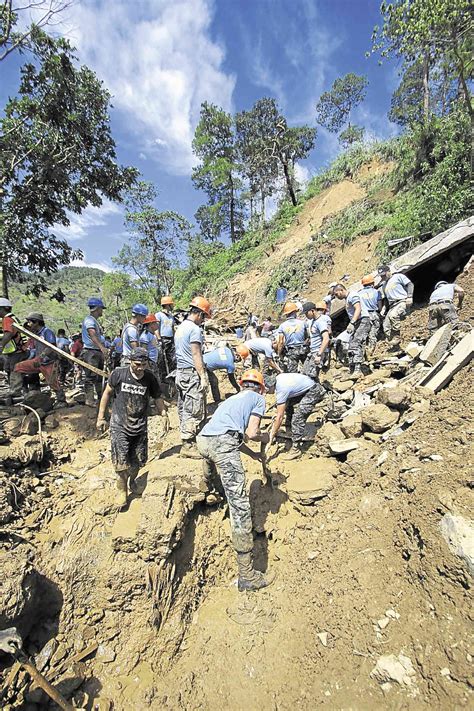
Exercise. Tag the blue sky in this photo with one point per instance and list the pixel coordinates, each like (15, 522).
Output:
(161, 59)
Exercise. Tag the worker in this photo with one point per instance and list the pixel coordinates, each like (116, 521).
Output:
(10, 640)
(165, 332)
(132, 387)
(330, 296)
(222, 358)
(262, 346)
(398, 292)
(149, 341)
(267, 327)
(44, 362)
(358, 327)
(237, 420)
(65, 366)
(296, 395)
(372, 298)
(131, 332)
(319, 327)
(441, 308)
(94, 351)
(116, 350)
(13, 344)
(191, 377)
(291, 338)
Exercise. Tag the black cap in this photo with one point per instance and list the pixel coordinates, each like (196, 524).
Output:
(383, 269)
(308, 306)
(139, 354)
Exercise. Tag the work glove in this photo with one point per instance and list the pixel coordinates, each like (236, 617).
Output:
(10, 640)
(350, 328)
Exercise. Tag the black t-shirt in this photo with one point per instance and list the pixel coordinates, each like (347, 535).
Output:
(131, 398)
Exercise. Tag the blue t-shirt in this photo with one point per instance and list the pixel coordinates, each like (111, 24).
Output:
(91, 322)
(234, 413)
(290, 385)
(353, 298)
(130, 334)
(167, 324)
(261, 345)
(187, 332)
(117, 344)
(63, 343)
(317, 327)
(445, 292)
(371, 297)
(148, 341)
(294, 331)
(220, 359)
(48, 335)
(396, 288)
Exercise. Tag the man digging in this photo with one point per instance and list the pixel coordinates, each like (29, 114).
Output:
(132, 386)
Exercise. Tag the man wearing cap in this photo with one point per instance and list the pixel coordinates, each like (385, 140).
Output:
(132, 387)
(221, 358)
(131, 332)
(319, 326)
(292, 335)
(441, 308)
(372, 298)
(148, 340)
(165, 332)
(398, 292)
(191, 378)
(93, 351)
(220, 442)
(45, 361)
(13, 345)
(358, 327)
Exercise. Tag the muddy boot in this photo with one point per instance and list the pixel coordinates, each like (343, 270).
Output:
(60, 400)
(132, 483)
(295, 452)
(89, 394)
(16, 385)
(189, 450)
(121, 497)
(356, 372)
(249, 578)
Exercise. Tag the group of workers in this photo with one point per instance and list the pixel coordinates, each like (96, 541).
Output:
(154, 348)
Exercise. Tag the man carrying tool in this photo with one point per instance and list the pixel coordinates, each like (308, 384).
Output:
(297, 395)
(131, 332)
(45, 361)
(191, 378)
(260, 346)
(221, 359)
(132, 387)
(292, 335)
(237, 420)
(398, 292)
(372, 298)
(441, 309)
(319, 333)
(165, 331)
(94, 351)
(13, 345)
(358, 327)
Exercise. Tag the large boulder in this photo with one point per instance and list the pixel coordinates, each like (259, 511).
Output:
(352, 426)
(310, 479)
(437, 345)
(329, 432)
(395, 397)
(342, 446)
(378, 418)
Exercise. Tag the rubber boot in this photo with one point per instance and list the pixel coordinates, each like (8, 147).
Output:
(249, 578)
(89, 393)
(16, 384)
(189, 450)
(132, 481)
(60, 400)
(295, 452)
(121, 497)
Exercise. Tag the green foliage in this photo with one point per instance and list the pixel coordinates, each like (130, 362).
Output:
(293, 273)
(334, 107)
(351, 135)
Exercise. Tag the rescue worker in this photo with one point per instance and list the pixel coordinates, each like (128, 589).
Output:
(13, 345)
(131, 332)
(191, 378)
(131, 386)
(329, 298)
(358, 327)
(93, 351)
(116, 350)
(292, 335)
(441, 308)
(165, 332)
(372, 298)
(296, 395)
(221, 358)
(398, 292)
(149, 341)
(44, 362)
(64, 365)
(261, 346)
(319, 328)
(237, 420)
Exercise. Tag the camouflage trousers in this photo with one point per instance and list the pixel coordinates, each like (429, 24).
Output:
(441, 313)
(294, 355)
(396, 313)
(375, 323)
(298, 409)
(191, 402)
(223, 451)
(358, 340)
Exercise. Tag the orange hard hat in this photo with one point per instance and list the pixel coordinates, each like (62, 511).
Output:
(289, 307)
(243, 351)
(167, 301)
(151, 318)
(321, 305)
(199, 302)
(253, 376)
(367, 279)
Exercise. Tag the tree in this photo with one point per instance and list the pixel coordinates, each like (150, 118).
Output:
(334, 107)
(12, 39)
(217, 174)
(156, 242)
(351, 135)
(57, 155)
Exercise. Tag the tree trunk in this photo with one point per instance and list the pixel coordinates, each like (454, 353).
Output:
(4, 281)
(289, 183)
(232, 210)
(426, 87)
(262, 210)
(462, 78)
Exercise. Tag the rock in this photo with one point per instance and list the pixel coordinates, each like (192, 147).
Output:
(383, 458)
(342, 446)
(39, 400)
(379, 418)
(352, 426)
(372, 437)
(437, 345)
(72, 679)
(340, 386)
(393, 614)
(347, 396)
(395, 397)
(436, 458)
(458, 532)
(377, 376)
(391, 668)
(416, 410)
(105, 654)
(51, 422)
(323, 638)
(413, 349)
(43, 657)
(362, 456)
(312, 555)
(383, 622)
(310, 479)
(328, 432)
(361, 400)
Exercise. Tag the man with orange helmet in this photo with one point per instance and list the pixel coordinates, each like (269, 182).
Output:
(319, 333)
(292, 335)
(220, 442)
(165, 332)
(373, 301)
(191, 377)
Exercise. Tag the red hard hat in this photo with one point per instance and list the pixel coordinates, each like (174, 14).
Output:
(151, 318)
(253, 376)
(243, 351)
(199, 302)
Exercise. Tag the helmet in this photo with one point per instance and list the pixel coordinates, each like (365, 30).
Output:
(167, 301)
(94, 302)
(35, 316)
(140, 310)
(440, 283)
(243, 351)
(383, 269)
(321, 306)
(289, 307)
(5, 303)
(199, 302)
(308, 306)
(367, 280)
(253, 376)
(151, 318)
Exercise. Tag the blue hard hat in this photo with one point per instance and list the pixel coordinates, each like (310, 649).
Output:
(94, 301)
(140, 310)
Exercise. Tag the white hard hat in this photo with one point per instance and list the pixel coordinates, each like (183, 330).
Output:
(6, 303)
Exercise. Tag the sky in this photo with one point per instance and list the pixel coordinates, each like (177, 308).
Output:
(160, 60)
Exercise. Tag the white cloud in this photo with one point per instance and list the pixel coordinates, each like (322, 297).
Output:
(160, 63)
(103, 266)
(90, 218)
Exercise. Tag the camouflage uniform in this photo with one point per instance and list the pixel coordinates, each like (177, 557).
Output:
(375, 322)
(441, 313)
(295, 355)
(191, 402)
(396, 313)
(358, 340)
(298, 409)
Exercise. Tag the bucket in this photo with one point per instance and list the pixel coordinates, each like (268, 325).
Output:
(239, 332)
(281, 295)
